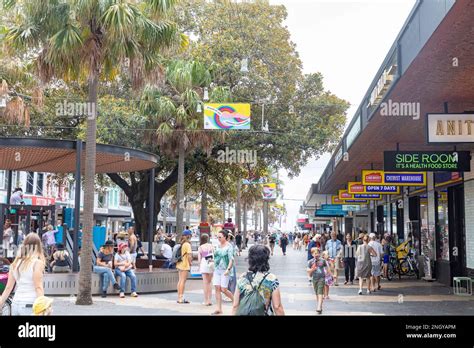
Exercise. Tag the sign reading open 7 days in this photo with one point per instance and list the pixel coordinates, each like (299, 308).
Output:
(358, 187)
(379, 177)
(429, 161)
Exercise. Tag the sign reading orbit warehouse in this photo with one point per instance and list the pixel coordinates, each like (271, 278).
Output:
(429, 161)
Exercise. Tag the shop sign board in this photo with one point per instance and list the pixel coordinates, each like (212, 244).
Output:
(450, 128)
(343, 194)
(337, 200)
(429, 161)
(380, 177)
(356, 187)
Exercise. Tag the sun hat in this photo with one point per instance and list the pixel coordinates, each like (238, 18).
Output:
(41, 304)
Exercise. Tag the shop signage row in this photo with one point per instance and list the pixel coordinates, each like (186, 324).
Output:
(428, 161)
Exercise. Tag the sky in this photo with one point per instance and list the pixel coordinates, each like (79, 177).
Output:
(346, 41)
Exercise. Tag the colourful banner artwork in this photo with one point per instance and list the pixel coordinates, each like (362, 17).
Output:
(226, 116)
(269, 191)
(379, 177)
(359, 188)
(343, 194)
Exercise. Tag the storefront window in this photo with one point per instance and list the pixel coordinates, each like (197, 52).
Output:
(442, 251)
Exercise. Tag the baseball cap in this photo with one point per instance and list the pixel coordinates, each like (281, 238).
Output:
(122, 246)
(372, 235)
(187, 233)
(41, 304)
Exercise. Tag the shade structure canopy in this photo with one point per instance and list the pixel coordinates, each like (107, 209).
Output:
(59, 156)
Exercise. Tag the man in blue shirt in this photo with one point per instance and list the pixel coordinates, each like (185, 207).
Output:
(333, 246)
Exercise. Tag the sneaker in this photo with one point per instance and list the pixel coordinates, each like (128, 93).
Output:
(134, 294)
(352, 283)
(360, 292)
(368, 292)
(116, 286)
(122, 295)
(345, 283)
(104, 294)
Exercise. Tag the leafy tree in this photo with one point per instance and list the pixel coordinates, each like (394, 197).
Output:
(86, 41)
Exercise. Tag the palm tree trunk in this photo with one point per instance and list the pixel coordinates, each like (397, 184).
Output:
(244, 234)
(204, 206)
(238, 210)
(180, 193)
(84, 296)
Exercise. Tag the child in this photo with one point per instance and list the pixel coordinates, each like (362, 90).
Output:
(43, 306)
(317, 269)
(328, 277)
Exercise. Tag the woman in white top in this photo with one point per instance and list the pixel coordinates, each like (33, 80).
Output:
(27, 273)
(206, 267)
(7, 237)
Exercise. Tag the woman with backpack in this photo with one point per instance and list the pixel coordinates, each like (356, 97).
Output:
(223, 261)
(258, 290)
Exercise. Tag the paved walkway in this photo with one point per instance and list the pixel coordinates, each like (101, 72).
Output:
(417, 297)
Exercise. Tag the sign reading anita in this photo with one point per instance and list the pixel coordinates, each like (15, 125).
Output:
(450, 128)
(429, 161)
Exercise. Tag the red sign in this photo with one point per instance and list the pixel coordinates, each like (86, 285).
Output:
(346, 195)
(455, 176)
(373, 178)
(39, 200)
(357, 188)
(308, 225)
(301, 220)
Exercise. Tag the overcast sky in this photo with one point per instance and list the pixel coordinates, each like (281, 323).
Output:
(346, 41)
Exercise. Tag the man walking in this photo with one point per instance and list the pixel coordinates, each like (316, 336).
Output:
(348, 256)
(376, 269)
(333, 246)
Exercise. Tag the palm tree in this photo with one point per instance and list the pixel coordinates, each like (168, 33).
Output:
(89, 40)
(174, 107)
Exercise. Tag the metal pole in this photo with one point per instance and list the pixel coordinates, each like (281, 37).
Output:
(151, 211)
(77, 208)
(10, 186)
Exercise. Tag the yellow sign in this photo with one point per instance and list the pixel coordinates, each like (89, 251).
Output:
(344, 194)
(337, 200)
(380, 177)
(359, 188)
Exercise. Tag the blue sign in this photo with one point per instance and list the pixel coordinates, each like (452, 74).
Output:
(406, 178)
(367, 196)
(381, 188)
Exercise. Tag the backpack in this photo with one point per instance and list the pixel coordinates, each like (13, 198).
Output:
(251, 302)
(176, 257)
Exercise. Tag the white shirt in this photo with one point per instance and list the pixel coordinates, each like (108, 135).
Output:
(15, 198)
(374, 244)
(25, 291)
(166, 251)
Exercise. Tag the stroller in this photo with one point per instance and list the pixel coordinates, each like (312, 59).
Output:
(6, 310)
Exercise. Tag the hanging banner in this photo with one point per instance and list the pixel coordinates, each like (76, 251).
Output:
(359, 188)
(379, 177)
(269, 191)
(343, 194)
(226, 116)
(337, 200)
(429, 161)
(254, 181)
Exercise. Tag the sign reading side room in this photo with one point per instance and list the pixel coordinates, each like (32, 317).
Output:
(427, 161)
